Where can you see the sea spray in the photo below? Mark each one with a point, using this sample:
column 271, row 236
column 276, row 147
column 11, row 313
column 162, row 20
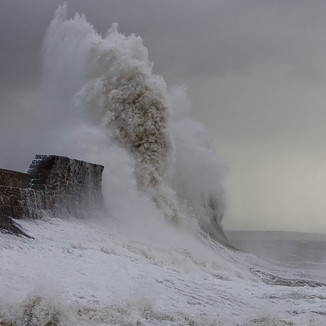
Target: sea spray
column 196, row 172
column 133, row 103
column 118, row 113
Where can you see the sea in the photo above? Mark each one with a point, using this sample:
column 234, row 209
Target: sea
column 158, row 254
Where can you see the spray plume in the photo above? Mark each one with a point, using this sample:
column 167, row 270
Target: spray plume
column 124, row 117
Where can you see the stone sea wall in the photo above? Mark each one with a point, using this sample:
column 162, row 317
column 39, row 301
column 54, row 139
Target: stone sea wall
column 13, row 179
column 55, row 185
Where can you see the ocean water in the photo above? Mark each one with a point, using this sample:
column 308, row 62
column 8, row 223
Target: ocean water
column 158, row 255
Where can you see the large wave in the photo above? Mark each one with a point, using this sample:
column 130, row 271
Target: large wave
column 110, row 108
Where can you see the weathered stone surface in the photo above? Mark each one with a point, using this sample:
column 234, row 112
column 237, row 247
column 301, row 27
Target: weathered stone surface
column 11, row 202
column 13, row 179
column 9, row 226
column 70, row 186
column 57, row 185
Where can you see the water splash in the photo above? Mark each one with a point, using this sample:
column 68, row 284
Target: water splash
column 106, row 84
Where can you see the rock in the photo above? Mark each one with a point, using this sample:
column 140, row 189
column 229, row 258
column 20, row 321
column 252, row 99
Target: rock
column 9, row 226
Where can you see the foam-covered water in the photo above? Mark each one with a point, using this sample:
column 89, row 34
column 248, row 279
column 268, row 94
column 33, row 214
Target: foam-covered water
column 79, row 272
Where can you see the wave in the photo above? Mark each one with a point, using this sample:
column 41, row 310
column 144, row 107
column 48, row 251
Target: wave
column 110, row 108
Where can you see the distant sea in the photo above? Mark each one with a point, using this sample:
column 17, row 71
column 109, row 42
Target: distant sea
column 292, row 249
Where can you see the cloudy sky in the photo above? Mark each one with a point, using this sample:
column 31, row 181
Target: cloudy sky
column 255, row 71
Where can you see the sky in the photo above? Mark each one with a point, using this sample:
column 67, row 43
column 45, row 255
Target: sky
column 255, row 72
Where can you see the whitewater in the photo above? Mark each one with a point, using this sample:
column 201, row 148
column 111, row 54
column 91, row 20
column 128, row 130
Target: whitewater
column 158, row 254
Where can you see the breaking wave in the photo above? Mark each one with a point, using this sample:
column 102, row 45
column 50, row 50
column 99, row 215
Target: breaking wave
column 110, row 108
column 37, row 309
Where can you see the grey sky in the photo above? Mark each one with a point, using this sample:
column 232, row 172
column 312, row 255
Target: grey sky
column 255, row 71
